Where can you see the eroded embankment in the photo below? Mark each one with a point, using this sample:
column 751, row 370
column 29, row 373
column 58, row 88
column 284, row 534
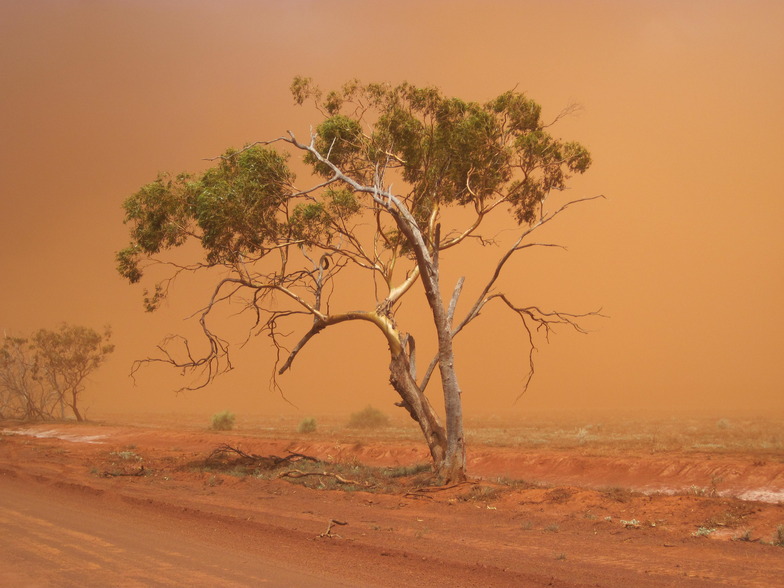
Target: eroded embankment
column 749, row 476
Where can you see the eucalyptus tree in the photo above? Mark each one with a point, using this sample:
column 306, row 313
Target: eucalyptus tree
column 65, row 357
column 386, row 165
column 21, row 395
column 42, row 375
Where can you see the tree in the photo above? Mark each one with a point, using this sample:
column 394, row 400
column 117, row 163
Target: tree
column 40, row 375
column 64, row 359
column 21, row 393
column 285, row 249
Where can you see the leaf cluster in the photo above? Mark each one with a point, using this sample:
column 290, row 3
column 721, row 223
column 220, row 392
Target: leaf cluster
column 233, row 208
column 448, row 150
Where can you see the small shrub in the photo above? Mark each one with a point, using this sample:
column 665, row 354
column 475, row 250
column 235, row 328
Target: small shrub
column 223, row 421
column 307, row 426
column 368, row 418
column 778, row 538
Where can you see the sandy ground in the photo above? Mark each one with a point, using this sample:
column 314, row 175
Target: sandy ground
column 74, row 512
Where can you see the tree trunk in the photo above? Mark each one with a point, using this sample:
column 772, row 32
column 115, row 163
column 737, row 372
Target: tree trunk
column 454, row 466
column 76, row 412
column 418, row 406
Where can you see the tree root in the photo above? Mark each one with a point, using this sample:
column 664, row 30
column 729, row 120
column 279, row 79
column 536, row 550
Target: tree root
column 337, row 477
column 422, row 491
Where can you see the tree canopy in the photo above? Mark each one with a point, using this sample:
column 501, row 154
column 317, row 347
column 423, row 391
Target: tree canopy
column 394, row 158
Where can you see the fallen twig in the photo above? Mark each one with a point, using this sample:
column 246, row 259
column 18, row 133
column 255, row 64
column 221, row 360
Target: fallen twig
column 269, row 461
column 415, row 494
column 337, row 477
column 329, row 533
column 441, row 488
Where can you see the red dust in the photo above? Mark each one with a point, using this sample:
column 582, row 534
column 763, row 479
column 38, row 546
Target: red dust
column 595, row 516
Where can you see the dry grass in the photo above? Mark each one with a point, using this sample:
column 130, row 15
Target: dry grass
column 594, row 434
column 619, row 435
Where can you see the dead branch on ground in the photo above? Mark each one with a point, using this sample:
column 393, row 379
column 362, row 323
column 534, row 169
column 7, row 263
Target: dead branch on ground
column 222, row 457
column 329, row 533
column 337, row 477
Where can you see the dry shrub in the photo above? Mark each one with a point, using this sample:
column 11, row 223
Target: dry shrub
column 368, row 418
column 223, row 421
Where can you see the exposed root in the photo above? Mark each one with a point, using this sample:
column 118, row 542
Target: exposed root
column 441, row 488
column 337, row 477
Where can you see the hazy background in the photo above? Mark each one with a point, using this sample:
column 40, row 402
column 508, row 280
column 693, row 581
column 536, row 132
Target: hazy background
column 682, row 111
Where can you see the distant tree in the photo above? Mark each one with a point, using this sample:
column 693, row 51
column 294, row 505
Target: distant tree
column 21, row 394
column 284, row 249
column 64, row 359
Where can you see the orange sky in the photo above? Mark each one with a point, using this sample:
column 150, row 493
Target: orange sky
column 682, row 111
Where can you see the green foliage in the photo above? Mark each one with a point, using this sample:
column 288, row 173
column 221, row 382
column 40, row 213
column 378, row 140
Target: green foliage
column 307, row 425
column 368, row 418
column 339, row 140
column 237, row 203
column 232, row 208
column 223, row 421
column 449, row 152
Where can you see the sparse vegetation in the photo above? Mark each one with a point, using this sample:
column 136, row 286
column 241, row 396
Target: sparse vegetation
column 43, row 376
column 779, row 537
column 314, row 473
column 480, row 493
column 127, row 455
column 307, row 425
column 368, row 418
column 223, row 421
column 703, row 531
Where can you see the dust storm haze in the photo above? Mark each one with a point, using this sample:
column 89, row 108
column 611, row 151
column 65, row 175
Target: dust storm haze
column 681, row 110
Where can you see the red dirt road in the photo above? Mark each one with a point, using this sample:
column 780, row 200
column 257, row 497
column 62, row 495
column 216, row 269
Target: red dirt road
column 64, row 524
column 53, row 537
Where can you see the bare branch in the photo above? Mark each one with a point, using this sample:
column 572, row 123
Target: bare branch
column 543, row 321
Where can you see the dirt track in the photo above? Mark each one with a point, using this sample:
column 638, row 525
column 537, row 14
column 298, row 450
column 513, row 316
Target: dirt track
column 66, row 525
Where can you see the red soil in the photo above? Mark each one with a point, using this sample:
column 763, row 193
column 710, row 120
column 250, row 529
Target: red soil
column 68, row 521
